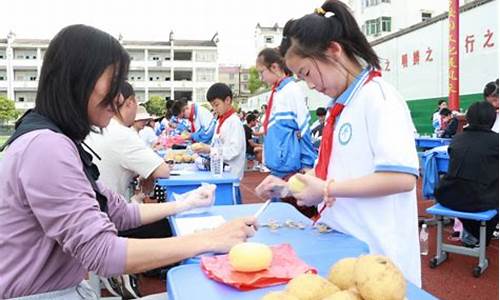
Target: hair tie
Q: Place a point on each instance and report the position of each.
(320, 11)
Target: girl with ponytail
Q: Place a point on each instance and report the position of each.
(288, 146)
(364, 180)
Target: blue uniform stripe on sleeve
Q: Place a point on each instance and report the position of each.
(396, 169)
(305, 125)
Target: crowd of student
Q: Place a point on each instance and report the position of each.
(68, 208)
(445, 122)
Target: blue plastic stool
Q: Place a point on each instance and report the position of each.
(443, 249)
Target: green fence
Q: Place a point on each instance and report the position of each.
(422, 110)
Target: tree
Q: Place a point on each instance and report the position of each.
(8, 110)
(254, 82)
(156, 105)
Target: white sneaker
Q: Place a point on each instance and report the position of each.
(263, 169)
(130, 287)
(113, 285)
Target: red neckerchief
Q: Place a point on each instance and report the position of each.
(191, 118)
(270, 104)
(223, 118)
(326, 146)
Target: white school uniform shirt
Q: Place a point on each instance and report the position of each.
(148, 136)
(366, 140)
(123, 156)
(234, 145)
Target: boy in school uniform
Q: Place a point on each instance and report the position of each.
(228, 128)
(202, 122)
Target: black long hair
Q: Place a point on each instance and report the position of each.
(490, 89)
(269, 56)
(178, 107)
(75, 59)
(481, 114)
(311, 35)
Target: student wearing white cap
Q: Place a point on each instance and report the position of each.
(141, 125)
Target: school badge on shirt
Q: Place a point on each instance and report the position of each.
(345, 133)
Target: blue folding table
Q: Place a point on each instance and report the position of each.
(320, 250)
(430, 142)
(225, 194)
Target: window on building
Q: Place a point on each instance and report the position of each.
(245, 76)
(269, 39)
(33, 78)
(231, 76)
(21, 99)
(183, 75)
(372, 27)
(376, 26)
(184, 56)
(207, 56)
(426, 16)
(2, 77)
(368, 3)
(205, 74)
(201, 94)
(2, 56)
(386, 24)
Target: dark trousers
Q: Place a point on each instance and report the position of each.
(158, 229)
(473, 227)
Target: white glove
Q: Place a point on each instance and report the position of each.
(202, 197)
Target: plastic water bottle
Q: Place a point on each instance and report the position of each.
(216, 161)
(424, 240)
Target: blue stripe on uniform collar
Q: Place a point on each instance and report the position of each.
(353, 87)
(284, 82)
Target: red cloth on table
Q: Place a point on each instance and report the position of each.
(284, 266)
